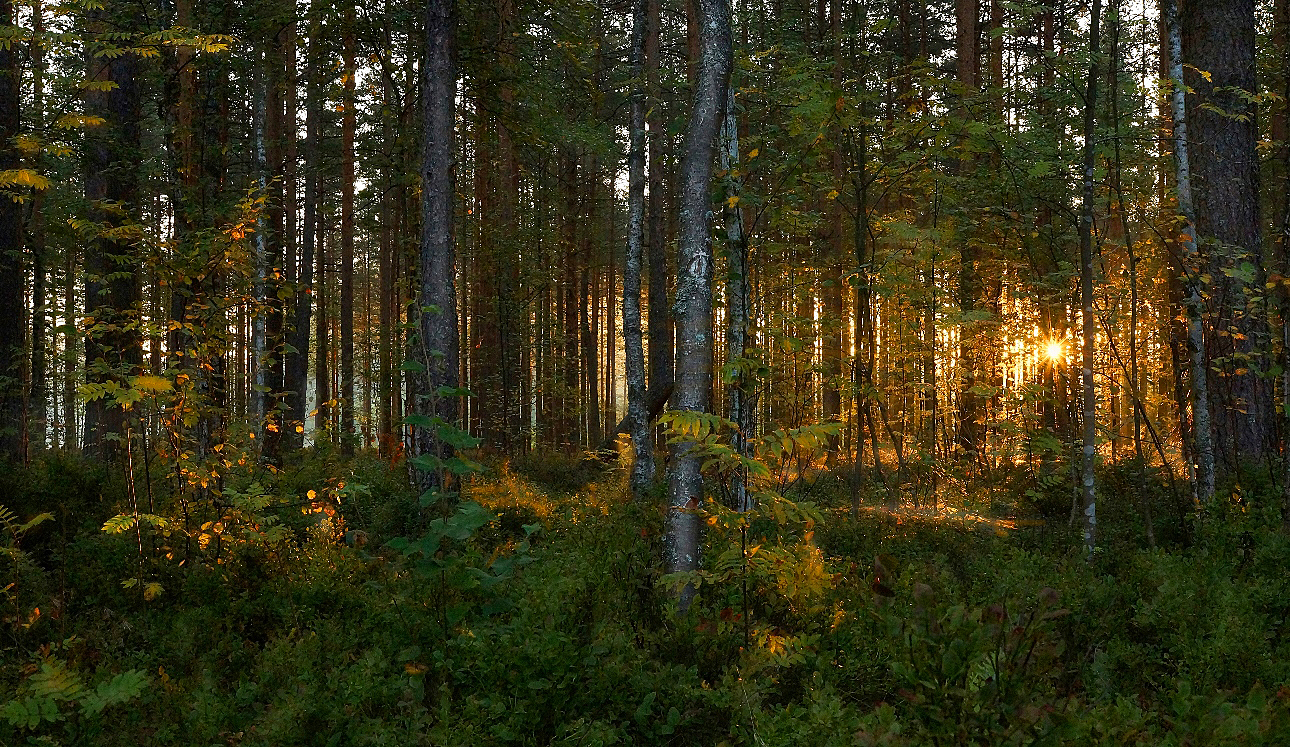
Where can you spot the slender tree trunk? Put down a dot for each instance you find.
(832, 288)
(1086, 288)
(969, 430)
(71, 353)
(1281, 137)
(112, 294)
(275, 134)
(661, 330)
(347, 240)
(739, 392)
(1202, 433)
(297, 374)
(37, 419)
(511, 312)
(643, 466)
(386, 345)
(298, 359)
(322, 342)
(694, 281)
(12, 302)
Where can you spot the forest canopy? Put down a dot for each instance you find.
(860, 361)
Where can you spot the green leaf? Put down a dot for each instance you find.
(119, 523)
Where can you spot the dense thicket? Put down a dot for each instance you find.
(1020, 261)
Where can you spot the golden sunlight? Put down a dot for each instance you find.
(1055, 350)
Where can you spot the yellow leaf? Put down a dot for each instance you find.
(149, 383)
(732, 201)
(753, 153)
(73, 121)
(23, 178)
(833, 194)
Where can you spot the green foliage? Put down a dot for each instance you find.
(54, 686)
(546, 625)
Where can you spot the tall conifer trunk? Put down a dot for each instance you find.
(738, 317)
(661, 329)
(112, 294)
(35, 235)
(297, 373)
(347, 240)
(12, 330)
(1222, 126)
(642, 446)
(437, 294)
(1086, 289)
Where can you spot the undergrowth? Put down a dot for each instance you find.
(542, 617)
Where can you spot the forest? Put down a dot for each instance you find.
(644, 372)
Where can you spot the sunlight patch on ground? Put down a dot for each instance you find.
(507, 490)
(955, 517)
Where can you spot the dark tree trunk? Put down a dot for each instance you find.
(1218, 38)
(347, 242)
(969, 427)
(12, 331)
(511, 313)
(37, 432)
(438, 297)
(322, 341)
(660, 322)
(297, 373)
(642, 445)
(832, 327)
(112, 293)
(275, 134)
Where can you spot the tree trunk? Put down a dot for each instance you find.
(738, 319)
(642, 445)
(1281, 137)
(510, 311)
(832, 327)
(112, 292)
(1086, 288)
(347, 241)
(297, 374)
(275, 134)
(322, 343)
(440, 338)
(12, 331)
(661, 330)
(1202, 432)
(38, 393)
(694, 281)
(1219, 38)
(969, 428)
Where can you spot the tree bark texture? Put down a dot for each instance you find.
(694, 279)
(112, 292)
(642, 444)
(440, 337)
(1088, 487)
(12, 301)
(1222, 134)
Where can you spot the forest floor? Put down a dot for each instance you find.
(533, 611)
